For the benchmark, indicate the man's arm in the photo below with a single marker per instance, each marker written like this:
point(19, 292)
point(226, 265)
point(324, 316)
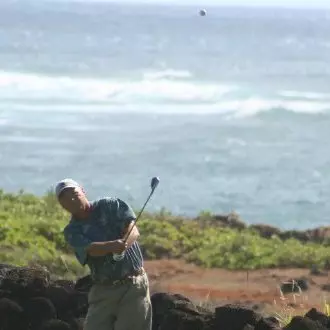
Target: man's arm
point(133, 236)
point(84, 246)
point(100, 249)
point(126, 218)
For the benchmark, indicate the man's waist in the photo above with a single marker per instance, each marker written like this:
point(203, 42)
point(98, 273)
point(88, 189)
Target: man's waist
point(125, 279)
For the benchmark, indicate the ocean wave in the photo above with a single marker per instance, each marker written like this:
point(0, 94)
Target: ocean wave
point(168, 73)
point(254, 106)
point(304, 95)
point(153, 88)
point(155, 92)
point(230, 110)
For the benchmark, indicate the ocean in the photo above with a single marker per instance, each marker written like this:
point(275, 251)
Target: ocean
point(230, 110)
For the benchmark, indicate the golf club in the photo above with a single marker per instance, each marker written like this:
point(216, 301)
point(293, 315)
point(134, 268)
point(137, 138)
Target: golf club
point(153, 185)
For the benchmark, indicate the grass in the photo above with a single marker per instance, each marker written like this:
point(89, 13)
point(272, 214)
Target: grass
point(31, 233)
point(287, 309)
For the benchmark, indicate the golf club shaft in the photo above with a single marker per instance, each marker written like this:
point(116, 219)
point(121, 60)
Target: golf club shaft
point(139, 215)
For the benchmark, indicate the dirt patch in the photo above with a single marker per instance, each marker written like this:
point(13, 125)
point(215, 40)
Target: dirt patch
point(218, 286)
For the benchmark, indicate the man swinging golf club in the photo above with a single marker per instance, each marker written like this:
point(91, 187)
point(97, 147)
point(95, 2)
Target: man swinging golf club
point(104, 236)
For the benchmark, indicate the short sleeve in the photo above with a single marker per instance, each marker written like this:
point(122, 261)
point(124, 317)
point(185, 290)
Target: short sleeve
point(125, 213)
point(78, 242)
point(118, 214)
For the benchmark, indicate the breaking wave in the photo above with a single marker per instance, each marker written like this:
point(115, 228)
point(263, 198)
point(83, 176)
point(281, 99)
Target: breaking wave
point(168, 91)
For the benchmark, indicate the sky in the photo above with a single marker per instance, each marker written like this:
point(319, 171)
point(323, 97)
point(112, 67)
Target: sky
point(205, 3)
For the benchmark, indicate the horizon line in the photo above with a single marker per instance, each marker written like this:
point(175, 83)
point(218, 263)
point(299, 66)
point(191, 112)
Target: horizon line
point(167, 3)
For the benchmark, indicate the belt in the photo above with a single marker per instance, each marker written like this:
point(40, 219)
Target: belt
point(126, 279)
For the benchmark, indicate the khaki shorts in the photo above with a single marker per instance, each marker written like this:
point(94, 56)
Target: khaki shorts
point(120, 307)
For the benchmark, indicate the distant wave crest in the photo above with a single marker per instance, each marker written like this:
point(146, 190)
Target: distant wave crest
point(168, 91)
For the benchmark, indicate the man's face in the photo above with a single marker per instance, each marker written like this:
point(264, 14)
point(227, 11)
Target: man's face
point(73, 200)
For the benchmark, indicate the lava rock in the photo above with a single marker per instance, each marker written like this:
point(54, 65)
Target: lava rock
point(315, 315)
point(84, 284)
point(39, 310)
point(304, 323)
point(294, 285)
point(11, 315)
point(325, 287)
point(55, 325)
point(268, 323)
point(235, 317)
point(174, 311)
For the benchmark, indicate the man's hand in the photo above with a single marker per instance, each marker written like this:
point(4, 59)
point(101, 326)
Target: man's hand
point(118, 246)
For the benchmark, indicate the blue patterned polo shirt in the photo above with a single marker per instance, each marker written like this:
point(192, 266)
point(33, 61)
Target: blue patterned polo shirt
point(106, 221)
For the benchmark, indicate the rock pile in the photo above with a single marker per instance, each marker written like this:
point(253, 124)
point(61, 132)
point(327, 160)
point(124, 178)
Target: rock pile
point(29, 299)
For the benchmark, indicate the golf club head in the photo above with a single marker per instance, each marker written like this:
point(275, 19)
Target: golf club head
point(154, 182)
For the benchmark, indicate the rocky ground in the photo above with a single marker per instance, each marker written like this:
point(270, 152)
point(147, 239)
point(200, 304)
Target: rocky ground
point(184, 297)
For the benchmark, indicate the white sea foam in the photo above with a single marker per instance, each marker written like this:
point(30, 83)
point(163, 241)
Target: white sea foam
point(154, 93)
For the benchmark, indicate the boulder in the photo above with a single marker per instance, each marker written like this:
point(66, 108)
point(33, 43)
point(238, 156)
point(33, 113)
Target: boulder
point(304, 323)
point(315, 315)
point(235, 317)
point(266, 231)
point(268, 323)
point(231, 220)
point(39, 310)
point(174, 311)
point(11, 315)
point(295, 285)
point(56, 325)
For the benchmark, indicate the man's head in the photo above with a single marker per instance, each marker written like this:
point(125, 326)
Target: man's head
point(72, 197)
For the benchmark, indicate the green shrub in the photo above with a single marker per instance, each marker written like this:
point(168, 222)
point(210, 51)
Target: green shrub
point(31, 233)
